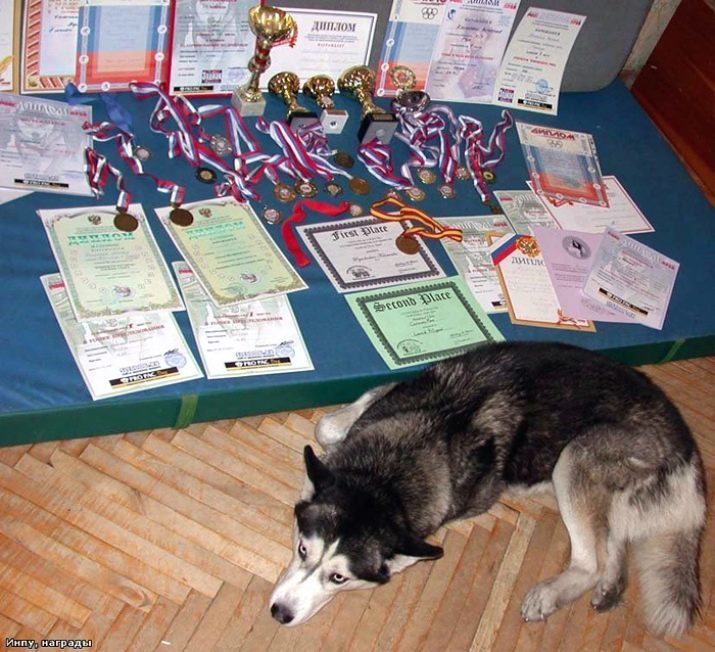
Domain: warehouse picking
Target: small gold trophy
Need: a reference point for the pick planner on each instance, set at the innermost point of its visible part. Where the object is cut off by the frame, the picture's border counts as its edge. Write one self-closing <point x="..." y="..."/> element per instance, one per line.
<point x="322" y="88"/>
<point x="407" y="98"/>
<point x="286" y="86"/>
<point x="359" y="82"/>
<point x="269" y="25"/>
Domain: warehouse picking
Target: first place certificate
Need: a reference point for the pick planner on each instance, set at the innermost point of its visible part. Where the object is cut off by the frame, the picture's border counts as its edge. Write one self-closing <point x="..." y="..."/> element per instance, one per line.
<point x="109" y="272"/>
<point x="422" y="322"/>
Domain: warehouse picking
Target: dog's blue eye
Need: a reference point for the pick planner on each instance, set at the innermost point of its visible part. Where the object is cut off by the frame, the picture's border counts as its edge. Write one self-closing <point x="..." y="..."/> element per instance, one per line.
<point x="302" y="550"/>
<point x="336" y="578"/>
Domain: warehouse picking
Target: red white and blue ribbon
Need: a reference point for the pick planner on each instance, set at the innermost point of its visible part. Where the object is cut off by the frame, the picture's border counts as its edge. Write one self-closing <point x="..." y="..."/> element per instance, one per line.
<point x="296" y="160"/>
<point x="377" y="158"/>
<point x="98" y="170"/>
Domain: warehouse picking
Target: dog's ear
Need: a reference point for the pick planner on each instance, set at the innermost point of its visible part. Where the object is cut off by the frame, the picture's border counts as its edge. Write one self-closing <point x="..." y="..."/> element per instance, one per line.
<point x="418" y="549"/>
<point x="318" y="473"/>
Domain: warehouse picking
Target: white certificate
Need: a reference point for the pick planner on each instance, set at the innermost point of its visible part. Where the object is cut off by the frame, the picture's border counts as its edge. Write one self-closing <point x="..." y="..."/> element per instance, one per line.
<point x="469" y="49"/>
<point x="9" y="44"/>
<point x="530" y="74"/>
<point x="122" y="354"/>
<point x="361" y="254"/>
<point x="328" y="42"/>
<point x="524" y="210"/>
<point x="632" y="279"/>
<point x="212" y="44"/>
<point x="42" y="145"/>
<point x="109" y="272"/>
<point x="250" y="338"/>
<point x="471" y="257"/>
<point x="622" y="213"/>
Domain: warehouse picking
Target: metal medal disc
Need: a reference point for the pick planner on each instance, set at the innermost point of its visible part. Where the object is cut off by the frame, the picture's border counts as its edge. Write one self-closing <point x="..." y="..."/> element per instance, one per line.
<point x="205" y="175"/>
<point x="271" y="215"/>
<point x="393" y="193"/>
<point x="306" y="189"/>
<point x="220" y="144"/>
<point x="407" y="245"/>
<point x="126" y="222"/>
<point x="415" y="193"/>
<point x="462" y="173"/>
<point x="425" y="175"/>
<point x="333" y="189"/>
<point x="359" y="186"/>
<point x="142" y="153"/>
<point x="283" y="193"/>
<point x="343" y="159"/>
<point x="447" y="191"/>
<point x="355" y="210"/>
<point x="489" y="176"/>
<point x="181" y="217"/>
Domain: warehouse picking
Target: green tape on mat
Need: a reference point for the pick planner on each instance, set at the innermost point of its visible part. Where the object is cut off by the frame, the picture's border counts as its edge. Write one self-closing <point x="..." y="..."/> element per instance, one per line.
<point x="187" y="412"/>
<point x="673" y="350"/>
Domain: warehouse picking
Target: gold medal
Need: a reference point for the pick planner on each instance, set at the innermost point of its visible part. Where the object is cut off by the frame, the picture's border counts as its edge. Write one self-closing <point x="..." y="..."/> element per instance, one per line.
<point x="181" y="216"/>
<point x="427" y="176"/>
<point x="343" y="159"/>
<point x="407" y="245"/>
<point x="125" y="222"/>
<point x="306" y="189"/>
<point x="205" y="175"/>
<point x="462" y="173"/>
<point x="415" y="193"/>
<point x="359" y="186"/>
<point x="284" y="193"/>
<point x="447" y="191"/>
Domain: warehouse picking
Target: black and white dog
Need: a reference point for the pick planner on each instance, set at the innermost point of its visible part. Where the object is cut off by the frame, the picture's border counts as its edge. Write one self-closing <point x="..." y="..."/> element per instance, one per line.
<point x="407" y="457"/>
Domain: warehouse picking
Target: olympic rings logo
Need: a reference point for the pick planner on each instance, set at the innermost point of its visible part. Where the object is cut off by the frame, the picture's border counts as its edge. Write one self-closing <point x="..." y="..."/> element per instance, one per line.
<point x="428" y="13"/>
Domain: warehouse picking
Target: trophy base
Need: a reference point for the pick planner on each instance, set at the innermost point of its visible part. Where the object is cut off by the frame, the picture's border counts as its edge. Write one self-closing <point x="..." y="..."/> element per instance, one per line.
<point x="245" y="108"/>
<point x="301" y="118"/>
<point x="333" y="120"/>
<point x="377" y="125"/>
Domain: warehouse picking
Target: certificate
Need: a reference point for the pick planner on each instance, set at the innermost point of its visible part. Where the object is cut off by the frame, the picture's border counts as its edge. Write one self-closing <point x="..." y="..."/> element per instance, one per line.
<point x="212" y="44"/>
<point x="568" y="256"/>
<point x="109" y="272"/>
<point x="231" y="252"/>
<point x="472" y="259"/>
<point x="530" y="74"/>
<point x="122" y="354"/>
<point x="328" y="42"/>
<point x="110" y="56"/>
<point x="361" y="253"/>
<point x="49" y="45"/>
<point x="622" y="213"/>
<point x="563" y="165"/>
<point x="524" y="210"/>
<point x="249" y="338"/>
<point x="410" y="36"/>
<point x="632" y="279"/>
<point x="530" y="296"/>
<point x="42" y="145"/>
<point x="10" y="12"/>
<point x="422" y="322"/>
<point x="469" y="49"/>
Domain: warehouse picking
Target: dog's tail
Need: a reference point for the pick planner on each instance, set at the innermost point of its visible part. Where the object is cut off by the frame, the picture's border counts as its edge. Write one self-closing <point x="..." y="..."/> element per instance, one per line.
<point x="670" y="587"/>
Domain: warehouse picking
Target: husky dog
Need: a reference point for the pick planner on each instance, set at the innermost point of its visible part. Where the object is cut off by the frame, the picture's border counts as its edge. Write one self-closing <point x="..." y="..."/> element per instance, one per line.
<point x="407" y="457"/>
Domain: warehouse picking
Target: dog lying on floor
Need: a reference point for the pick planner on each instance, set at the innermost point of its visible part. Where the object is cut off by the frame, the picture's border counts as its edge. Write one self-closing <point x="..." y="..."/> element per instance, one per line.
<point x="407" y="457"/>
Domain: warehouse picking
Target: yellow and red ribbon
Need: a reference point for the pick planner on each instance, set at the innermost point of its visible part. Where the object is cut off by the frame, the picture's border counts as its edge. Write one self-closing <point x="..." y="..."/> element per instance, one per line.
<point x="427" y="226"/>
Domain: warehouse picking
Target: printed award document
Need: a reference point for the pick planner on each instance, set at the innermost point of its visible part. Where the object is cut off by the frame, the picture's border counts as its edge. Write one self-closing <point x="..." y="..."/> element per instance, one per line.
<point x="109" y="272"/>
<point x="328" y="43"/>
<point x="524" y="210"/>
<point x="212" y="43"/>
<point x="49" y="45"/>
<point x="422" y="322"/>
<point x="568" y="256"/>
<point x="563" y="165"/>
<point x="123" y="354"/>
<point x="10" y="11"/>
<point x="410" y="36"/>
<point x="361" y="253"/>
<point x="530" y="295"/>
<point x="249" y="338"/>
<point x="631" y="279"/>
<point x="471" y="257"/>
<point x="110" y="56"/>
<point x="469" y="49"/>
<point x="42" y="145"/>
<point x="622" y="213"/>
<point x="231" y="253"/>
<point x="530" y="74"/>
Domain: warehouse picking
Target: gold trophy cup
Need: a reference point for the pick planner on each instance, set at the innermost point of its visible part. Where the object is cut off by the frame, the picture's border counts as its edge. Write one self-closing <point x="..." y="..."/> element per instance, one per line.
<point x="359" y="82"/>
<point x="269" y="25"/>
<point x="286" y="86"/>
<point x="321" y="88"/>
<point x="407" y="99"/>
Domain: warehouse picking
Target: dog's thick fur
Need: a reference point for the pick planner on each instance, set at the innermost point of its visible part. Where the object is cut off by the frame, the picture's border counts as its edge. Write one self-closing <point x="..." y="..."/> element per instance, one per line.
<point x="407" y="457"/>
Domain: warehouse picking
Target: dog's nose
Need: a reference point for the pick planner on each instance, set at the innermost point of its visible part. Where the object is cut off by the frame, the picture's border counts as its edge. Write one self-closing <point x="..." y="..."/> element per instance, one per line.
<point x="281" y="613"/>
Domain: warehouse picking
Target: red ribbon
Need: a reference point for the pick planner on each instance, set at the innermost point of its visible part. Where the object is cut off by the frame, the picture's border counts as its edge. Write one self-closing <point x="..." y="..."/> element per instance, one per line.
<point x="298" y="215"/>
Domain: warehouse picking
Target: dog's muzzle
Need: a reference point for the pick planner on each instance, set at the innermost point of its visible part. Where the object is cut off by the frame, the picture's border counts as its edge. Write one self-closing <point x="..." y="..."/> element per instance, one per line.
<point x="282" y="614"/>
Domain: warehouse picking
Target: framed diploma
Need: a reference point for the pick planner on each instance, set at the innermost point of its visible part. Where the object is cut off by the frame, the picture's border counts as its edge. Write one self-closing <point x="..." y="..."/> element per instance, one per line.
<point x="211" y="46"/>
<point x="49" y="45"/>
<point x="110" y="56"/>
<point x="9" y="45"/>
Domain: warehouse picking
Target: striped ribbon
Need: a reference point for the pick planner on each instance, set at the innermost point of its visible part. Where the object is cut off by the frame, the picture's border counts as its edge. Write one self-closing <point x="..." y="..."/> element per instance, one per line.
<point x="428" y="227"/>
<point x="377" y="158"/>
<point x="98" y="169"/>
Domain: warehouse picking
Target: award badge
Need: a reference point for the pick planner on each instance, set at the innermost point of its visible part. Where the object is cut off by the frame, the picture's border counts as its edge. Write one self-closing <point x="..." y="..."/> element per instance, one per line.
<point x="426" y="176"/>
<point x="356" y="210"/>
<point x="306" y="189"/>
<point x="343" y="159"/>
<point x="181" y="216"/>
<point x="124" y="221"/>
<point x="284" y="193"/>
<point x="205" y="175"/>
<point x="322" y="88"/>
<point x="333" y="189"/>
<point x="447" y="191"/>
<point x="220" y="145"/>
<point x="141" y="153"/>
<point x="359" y="186"/>
<point x="415" y="193"/>
<point x="271" y="215"/>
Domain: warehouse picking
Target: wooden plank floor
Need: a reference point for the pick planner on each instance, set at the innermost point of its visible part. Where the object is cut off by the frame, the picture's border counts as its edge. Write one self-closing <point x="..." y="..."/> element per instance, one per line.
<point x="171" y="540"/>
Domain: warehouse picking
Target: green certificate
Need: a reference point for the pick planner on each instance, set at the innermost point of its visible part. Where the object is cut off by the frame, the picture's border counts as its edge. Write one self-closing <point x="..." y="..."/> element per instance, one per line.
<point x="231" y="253"/>
<point x="422" y="322"/>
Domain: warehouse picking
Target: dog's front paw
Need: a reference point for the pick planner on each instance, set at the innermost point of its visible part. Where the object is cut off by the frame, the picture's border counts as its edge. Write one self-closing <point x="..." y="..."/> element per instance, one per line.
<point x="607" y="596"/>
<point x="540" y="602"/>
